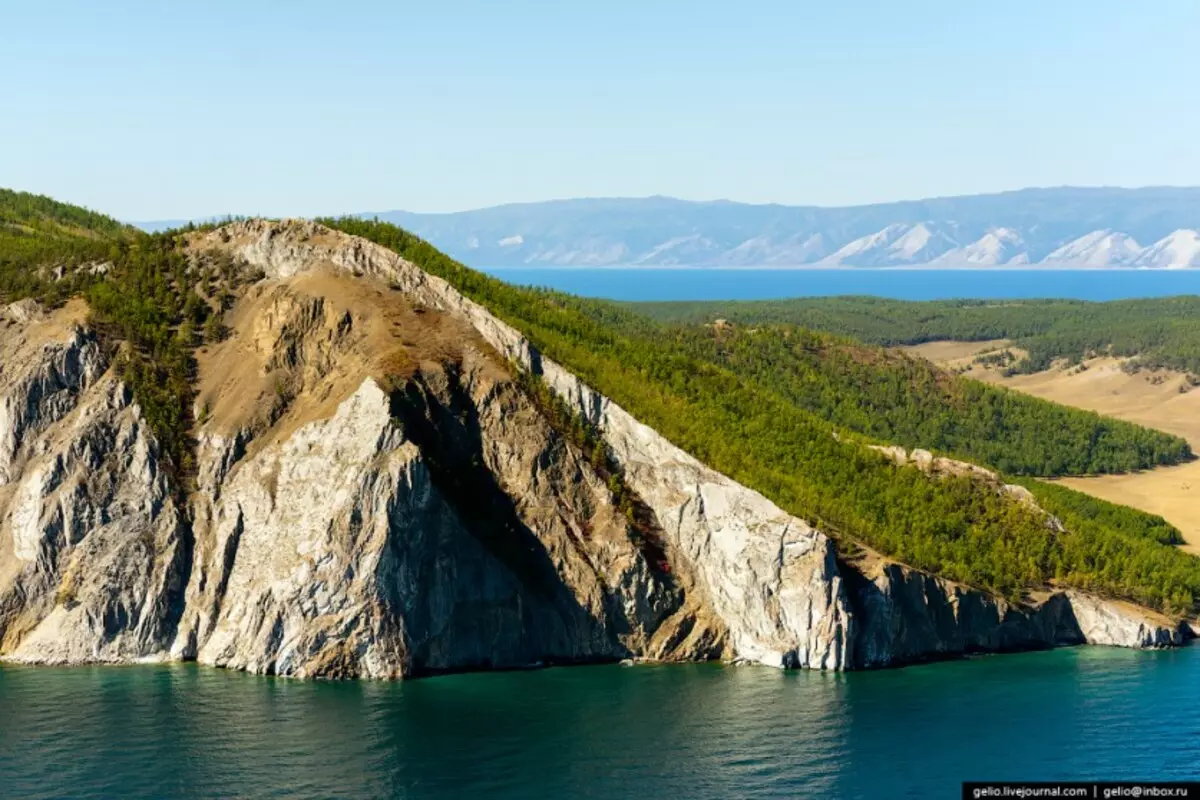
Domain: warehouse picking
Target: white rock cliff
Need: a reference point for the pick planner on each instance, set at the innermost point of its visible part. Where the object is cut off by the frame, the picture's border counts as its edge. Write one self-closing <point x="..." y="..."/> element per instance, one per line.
<point x="342" y="524"/>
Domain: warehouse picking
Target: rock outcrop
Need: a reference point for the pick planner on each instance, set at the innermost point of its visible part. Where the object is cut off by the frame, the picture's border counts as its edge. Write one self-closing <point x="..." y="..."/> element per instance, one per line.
<point x="93" y="550"/>
<point x="1124" y="624"/>
<point x="933" y="465"/>
<point x="377" y="494"/>
<point x="907" y="616"/>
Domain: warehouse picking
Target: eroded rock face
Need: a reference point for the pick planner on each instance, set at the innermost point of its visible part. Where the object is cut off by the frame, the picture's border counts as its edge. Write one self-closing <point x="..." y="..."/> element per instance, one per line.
<point x="1123" y="624"/>
<point x="377" y="496"/>
<point x="905" y="616"/>
<point x="93" y="555"/>
<point x="441" y="524"/>
<point x="347" y="549"/>
<point x="770" y="579"/>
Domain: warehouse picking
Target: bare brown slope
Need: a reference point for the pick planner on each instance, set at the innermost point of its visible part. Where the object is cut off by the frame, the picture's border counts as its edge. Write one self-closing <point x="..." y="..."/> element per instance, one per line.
<point x="313" y="338"/>
<point x="300" y="346"/>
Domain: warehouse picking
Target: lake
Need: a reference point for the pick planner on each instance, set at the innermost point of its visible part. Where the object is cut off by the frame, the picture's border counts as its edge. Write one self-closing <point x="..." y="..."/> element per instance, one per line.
<point x="904" y="284"/>
<point x="695" y="731"/>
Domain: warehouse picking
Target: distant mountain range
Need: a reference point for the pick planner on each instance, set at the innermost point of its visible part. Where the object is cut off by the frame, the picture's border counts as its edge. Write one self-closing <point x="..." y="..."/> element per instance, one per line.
<point x="1060" y="227"/>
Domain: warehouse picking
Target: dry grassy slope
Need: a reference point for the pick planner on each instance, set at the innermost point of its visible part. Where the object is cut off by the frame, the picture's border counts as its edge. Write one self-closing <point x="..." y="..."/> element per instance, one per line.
<point x="953" y="354"/>
<point x="1157" y="399"/>
<point x="314" y="338"/>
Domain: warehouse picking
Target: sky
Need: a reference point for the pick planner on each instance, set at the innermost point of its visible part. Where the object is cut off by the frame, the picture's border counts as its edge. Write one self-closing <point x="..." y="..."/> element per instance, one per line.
<point x="156" y="110"/>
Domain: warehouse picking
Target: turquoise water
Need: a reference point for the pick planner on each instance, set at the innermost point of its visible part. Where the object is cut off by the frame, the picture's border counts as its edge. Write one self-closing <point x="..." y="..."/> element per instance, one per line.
<point x="904" y="284"/>
<point x="698" y="731"/>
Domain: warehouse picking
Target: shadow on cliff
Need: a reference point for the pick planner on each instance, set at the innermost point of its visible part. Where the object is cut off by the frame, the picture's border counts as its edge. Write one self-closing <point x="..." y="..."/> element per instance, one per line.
<point x="904" y="616"/>
<point x="444" y="424"/>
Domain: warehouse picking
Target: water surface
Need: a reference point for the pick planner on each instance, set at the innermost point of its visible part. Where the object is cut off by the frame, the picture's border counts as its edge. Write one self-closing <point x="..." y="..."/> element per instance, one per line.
<point x="700" y="731"/>
<point x="618" y="283"/>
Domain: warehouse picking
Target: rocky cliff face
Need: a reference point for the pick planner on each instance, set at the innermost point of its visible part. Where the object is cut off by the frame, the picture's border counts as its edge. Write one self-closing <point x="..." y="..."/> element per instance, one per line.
<point x="93" y="549"/>
<point x="377" y="495"/>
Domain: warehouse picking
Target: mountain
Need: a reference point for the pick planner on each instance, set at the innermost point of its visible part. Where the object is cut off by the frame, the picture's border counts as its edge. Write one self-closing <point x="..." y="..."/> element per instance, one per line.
<point x="1098" y="249"/>
<point x="1061" y="227"/>
<point x="1180" y="249"/>
<point x="1000" y="246"/>
<point x="894" y="245"/>
<point x="326" y="449"/>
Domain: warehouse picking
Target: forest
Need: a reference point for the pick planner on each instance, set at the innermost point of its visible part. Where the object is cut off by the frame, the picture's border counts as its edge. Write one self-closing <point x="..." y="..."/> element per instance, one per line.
<point x="1155" y="333"/>
<point x="896" y="398"/>
<point x="38" y="234"/>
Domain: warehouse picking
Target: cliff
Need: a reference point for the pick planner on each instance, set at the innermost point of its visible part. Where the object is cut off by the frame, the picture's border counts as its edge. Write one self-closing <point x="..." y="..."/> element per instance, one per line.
<point x="377" y="493"/>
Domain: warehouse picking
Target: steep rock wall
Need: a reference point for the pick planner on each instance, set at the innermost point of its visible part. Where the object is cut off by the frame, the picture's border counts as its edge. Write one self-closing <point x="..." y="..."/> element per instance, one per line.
<point x="93" y="555"/>
<point x="770" y="578"/>
<point x="907" y="616"/>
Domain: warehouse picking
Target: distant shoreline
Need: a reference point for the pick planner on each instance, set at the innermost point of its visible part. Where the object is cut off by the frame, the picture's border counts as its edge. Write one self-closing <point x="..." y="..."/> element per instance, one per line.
<point x="814" y="268"/>
<point x="679" y="283"/>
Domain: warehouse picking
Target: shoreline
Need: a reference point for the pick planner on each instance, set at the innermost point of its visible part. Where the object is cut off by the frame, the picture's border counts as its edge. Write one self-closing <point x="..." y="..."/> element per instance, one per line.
<point x="167" y="661"/>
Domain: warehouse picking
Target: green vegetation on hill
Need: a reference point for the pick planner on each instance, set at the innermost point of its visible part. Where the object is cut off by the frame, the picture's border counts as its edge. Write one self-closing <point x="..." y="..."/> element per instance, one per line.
<point x="155" y="301"/>
<point x="954" y="526"/>
<point x="160" y="304"/>
<point x="148" y="300"/>
<point x="39" y="212"/>
<point x="38" y="234"/>
<point x="896" y="398"/>
<point x="142" y="304"/>
<point x="1163" y="332"/>
<point x="1116" y="550"/>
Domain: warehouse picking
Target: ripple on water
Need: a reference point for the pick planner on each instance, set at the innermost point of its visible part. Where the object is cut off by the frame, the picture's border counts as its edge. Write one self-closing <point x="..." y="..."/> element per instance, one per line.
<point x="688" y="730"/>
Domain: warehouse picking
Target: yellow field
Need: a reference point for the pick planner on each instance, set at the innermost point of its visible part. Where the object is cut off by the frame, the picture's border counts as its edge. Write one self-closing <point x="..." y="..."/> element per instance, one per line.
<point x="1156" y="399"/>
<point x="954" y="354"/>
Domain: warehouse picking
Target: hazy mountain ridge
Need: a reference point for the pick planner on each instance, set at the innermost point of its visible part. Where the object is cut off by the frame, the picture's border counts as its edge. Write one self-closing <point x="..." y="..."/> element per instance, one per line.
<point x="1061" y="228"/>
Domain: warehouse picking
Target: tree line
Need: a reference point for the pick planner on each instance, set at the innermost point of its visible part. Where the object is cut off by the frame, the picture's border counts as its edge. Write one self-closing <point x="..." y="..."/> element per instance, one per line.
<point x="1155" y="333"/>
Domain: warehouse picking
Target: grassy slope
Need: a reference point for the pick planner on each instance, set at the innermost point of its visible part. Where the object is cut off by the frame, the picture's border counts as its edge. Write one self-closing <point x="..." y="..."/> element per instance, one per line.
<point x="1161" y="332"/>
<point x="751" y="432"/>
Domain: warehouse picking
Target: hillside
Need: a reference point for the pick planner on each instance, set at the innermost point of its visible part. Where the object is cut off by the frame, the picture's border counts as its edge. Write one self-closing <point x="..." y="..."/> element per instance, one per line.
<point x="1060" y="227"/>
<point x="49" y="218"/>
<point x="38" y="234"/>
<point x="308" y="449"/>
<point x="894" y="398"/>
<point x="1160" y="399"/>
<point x="1152" y="332"/>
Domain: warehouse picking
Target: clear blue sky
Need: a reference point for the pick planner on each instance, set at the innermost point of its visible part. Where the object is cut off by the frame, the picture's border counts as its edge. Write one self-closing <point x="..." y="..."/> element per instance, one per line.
<point x="151" y="110"/>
